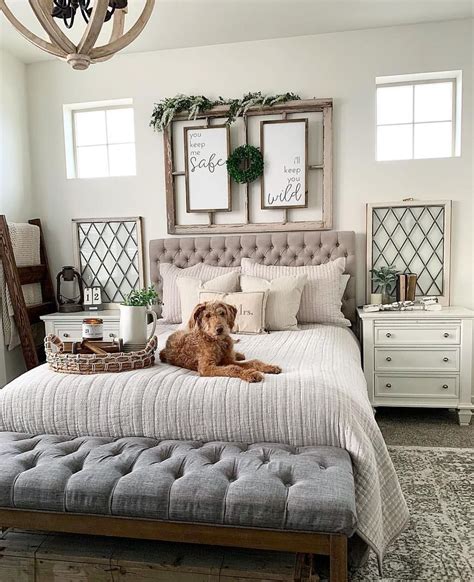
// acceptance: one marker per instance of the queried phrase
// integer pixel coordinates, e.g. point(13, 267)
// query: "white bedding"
point(319, 399)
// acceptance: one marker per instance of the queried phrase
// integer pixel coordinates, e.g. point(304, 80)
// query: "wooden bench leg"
point(338, 559)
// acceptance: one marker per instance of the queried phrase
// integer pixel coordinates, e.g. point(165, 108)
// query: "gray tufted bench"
point(264, 496)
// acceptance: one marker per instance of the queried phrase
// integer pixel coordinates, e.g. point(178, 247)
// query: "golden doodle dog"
point(207, 348)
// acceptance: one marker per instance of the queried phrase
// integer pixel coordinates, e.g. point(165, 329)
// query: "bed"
point(319, 399)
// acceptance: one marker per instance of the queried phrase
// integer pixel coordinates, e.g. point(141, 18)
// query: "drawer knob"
point(111, 335)
point(388, 334)
point(446, 334)
point(65, 334)
point(445, 386)
point(388, 358)
point(388, 385)
point(445, 359)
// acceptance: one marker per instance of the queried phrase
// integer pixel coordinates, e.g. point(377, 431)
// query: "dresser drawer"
point(416, 386)
point(73, 330)
point(405, 360)
point(418, 334)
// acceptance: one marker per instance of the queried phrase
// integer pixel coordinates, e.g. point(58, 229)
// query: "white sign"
point(284, 148)
point(207, 180)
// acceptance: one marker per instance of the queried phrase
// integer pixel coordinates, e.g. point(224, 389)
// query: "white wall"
point(340, 65)
point(15, 190)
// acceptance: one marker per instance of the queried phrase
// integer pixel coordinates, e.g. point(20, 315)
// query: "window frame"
point(69, 114)
point(454, 79)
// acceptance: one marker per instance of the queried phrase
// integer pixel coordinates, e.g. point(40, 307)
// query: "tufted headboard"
point(282, 248)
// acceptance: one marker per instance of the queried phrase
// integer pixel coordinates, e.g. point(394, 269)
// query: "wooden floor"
point(44, 557)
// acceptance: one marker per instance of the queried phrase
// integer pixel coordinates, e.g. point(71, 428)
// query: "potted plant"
point(385, 279)
point(134, 315)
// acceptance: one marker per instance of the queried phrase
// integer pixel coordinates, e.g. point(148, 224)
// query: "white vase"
point(375, 298)
point(133, 324)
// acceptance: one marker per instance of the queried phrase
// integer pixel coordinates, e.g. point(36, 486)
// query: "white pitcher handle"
point(153, 314)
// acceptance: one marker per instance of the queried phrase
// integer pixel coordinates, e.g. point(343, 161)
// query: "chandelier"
point(95, 13)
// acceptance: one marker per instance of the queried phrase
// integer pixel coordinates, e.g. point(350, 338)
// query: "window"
point(100, 140)
point(417, 116)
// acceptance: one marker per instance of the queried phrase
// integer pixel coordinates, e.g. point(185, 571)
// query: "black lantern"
point(66, 9)
point(69, 304)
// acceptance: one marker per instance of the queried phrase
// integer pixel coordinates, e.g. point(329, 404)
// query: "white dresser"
point(68, 326)
point(419, 358)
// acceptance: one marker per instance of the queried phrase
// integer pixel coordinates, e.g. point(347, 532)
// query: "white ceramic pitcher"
point(133, 324)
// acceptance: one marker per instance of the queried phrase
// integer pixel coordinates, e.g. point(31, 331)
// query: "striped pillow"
point(321, 297)
point(170, 273)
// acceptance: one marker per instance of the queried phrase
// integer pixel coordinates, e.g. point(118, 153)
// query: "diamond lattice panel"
point(412, 239)
point(109, 256)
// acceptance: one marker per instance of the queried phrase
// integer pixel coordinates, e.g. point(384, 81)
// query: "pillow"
point(250, 309)
point(283, 302)
point(188, 289)
point(343, 283)
point(321, 297)
point(170, 273)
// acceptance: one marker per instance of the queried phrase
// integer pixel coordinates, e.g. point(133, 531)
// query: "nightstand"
point(68, 326)
point(419, 358)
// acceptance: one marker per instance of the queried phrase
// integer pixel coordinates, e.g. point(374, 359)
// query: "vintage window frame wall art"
point(135, 262)
point(434, 248)
point(245, 212)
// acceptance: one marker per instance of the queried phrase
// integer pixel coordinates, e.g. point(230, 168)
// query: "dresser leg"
point(464, 416)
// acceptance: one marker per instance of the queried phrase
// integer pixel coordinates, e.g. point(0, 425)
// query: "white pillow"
point(250, 309)
point(170, 273)
point(188, 289)
point(283, 302)
point(321, 297)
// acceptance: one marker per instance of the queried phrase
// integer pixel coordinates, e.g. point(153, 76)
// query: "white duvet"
point(319, 399)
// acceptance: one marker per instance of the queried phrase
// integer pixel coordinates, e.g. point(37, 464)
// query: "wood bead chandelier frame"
point(95, 13)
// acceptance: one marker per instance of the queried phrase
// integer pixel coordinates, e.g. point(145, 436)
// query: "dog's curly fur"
point(206, 346)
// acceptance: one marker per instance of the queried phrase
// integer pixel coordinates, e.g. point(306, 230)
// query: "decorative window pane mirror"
point(109, 254)
point(414, 236)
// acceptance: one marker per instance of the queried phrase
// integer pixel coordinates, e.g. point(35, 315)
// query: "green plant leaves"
point(142, 297)
point(165, 110)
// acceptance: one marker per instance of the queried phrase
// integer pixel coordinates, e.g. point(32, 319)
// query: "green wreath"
point(251, 159)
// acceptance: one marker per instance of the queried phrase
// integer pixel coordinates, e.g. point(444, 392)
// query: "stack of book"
point(406, 287)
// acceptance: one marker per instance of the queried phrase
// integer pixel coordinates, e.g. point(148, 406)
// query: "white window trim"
point(69, 112)
point(455, 77)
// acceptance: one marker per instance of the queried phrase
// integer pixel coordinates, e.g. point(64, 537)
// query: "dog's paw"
point(253, 376)
point(273, 370)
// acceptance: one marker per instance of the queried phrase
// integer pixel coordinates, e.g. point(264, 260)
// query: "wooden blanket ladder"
point(25, 316)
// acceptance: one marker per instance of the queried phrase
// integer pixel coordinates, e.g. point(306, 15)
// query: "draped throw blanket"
point(319, 399)
point(26, 250)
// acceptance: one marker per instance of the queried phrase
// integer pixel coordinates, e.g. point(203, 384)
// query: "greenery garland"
point(165, 110)
point(252, 159)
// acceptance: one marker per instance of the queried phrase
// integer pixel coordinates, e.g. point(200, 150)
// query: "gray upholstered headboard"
point(282, 248)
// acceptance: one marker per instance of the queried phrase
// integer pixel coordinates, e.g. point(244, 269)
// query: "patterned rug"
point(438, 545)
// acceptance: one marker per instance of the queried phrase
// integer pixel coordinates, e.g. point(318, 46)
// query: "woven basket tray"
point(94, 363)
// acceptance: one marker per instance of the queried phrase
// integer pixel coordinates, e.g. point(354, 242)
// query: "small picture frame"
point(284, 146)
point(206, 149)
point(92, 298)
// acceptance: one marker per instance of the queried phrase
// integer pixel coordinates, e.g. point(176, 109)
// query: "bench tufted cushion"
point(258, 485)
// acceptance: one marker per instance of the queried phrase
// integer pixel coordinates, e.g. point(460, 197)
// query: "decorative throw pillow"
point(170, 273)
point(321, 297)
point(250, 309)
point(189, 288)
point(283, 302)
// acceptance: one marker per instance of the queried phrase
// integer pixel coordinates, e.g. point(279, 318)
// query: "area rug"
point(438, 545)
